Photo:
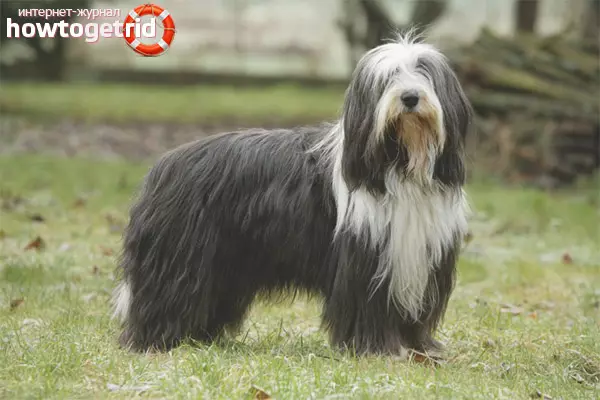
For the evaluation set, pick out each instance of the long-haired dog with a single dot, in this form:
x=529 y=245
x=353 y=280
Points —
x=369 y=212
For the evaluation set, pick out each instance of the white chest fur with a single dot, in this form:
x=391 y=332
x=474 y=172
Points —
x=412 y=225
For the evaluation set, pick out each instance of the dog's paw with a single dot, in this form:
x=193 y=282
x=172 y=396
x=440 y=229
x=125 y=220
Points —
x=430 y=358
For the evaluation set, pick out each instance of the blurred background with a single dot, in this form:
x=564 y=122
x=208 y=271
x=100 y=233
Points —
x=531 y=69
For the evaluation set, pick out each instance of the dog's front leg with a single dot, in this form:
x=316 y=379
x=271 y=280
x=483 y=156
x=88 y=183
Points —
x=358 y=317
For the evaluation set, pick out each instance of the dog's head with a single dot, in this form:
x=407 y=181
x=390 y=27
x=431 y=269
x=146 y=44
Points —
x=406 y=113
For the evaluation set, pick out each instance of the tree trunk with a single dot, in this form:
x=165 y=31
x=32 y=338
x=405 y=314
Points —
x=526 y=15
x=50 y=62
x=427 y=12
x=591 y=28
x=53 y=62
x=367 y=23
x=379 y=24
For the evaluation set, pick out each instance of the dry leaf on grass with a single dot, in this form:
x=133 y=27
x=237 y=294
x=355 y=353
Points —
x=106 y=251
x=79 y=202
x=540 y=395
x=37 y=218
x=567 y=259
x=16 y=303
x=532 y=315
x=425 y=359
x=36 y=244
x=259 y=394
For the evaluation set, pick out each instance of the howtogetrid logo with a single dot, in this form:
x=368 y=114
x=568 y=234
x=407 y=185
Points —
x=140 y=36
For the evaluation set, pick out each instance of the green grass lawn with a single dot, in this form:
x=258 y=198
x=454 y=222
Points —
x=202 y=104
x=523 y=321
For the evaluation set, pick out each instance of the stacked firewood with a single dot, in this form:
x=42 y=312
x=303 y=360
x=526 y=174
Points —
x=538 y=103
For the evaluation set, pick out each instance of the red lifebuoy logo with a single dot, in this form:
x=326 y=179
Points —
x=133 y=18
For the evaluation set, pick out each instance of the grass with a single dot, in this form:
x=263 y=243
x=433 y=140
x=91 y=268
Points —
x=205 y=104
x=523 y=321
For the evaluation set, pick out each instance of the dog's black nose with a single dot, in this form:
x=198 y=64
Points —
x=410 y=98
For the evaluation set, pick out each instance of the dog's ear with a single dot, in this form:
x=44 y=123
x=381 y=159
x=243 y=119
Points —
x=362 y=160
x=457 y=111
x=456 y=107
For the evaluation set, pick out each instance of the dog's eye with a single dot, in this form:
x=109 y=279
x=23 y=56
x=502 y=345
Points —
x=422 y=70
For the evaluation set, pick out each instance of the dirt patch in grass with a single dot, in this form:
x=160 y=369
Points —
x=72 y=138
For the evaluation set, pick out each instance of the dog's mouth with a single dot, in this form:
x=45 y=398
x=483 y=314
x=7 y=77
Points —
x=419 y=127
x=419 y=132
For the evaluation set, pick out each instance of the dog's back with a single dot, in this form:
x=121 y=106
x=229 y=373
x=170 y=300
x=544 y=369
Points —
x=217 y=221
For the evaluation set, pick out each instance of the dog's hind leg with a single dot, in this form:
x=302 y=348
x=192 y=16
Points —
x=157 y=320
x=168 y=297
x=228 y=316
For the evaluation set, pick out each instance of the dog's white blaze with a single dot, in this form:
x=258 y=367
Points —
x=401 y=55
x=417 y=219
x=421 y=223
x=121 y=301
x=396 y=64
